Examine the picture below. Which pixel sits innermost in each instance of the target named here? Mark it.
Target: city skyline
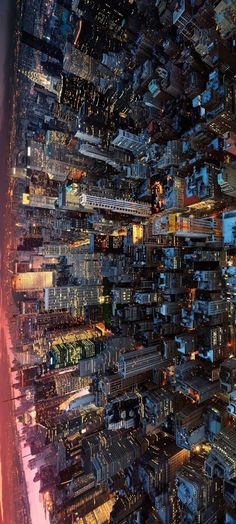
(118, 262)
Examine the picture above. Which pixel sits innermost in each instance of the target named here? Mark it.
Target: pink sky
(36, 506)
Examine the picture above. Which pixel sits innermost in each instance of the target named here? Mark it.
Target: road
(14, 508)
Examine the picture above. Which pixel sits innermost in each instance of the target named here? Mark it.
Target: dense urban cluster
(122, 261)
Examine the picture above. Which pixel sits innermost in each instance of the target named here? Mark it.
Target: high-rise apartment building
(72, 297)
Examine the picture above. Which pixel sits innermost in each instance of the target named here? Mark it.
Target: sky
(6, 10)
(38, 514)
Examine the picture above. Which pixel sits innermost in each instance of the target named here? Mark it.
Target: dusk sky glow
(38, 513)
